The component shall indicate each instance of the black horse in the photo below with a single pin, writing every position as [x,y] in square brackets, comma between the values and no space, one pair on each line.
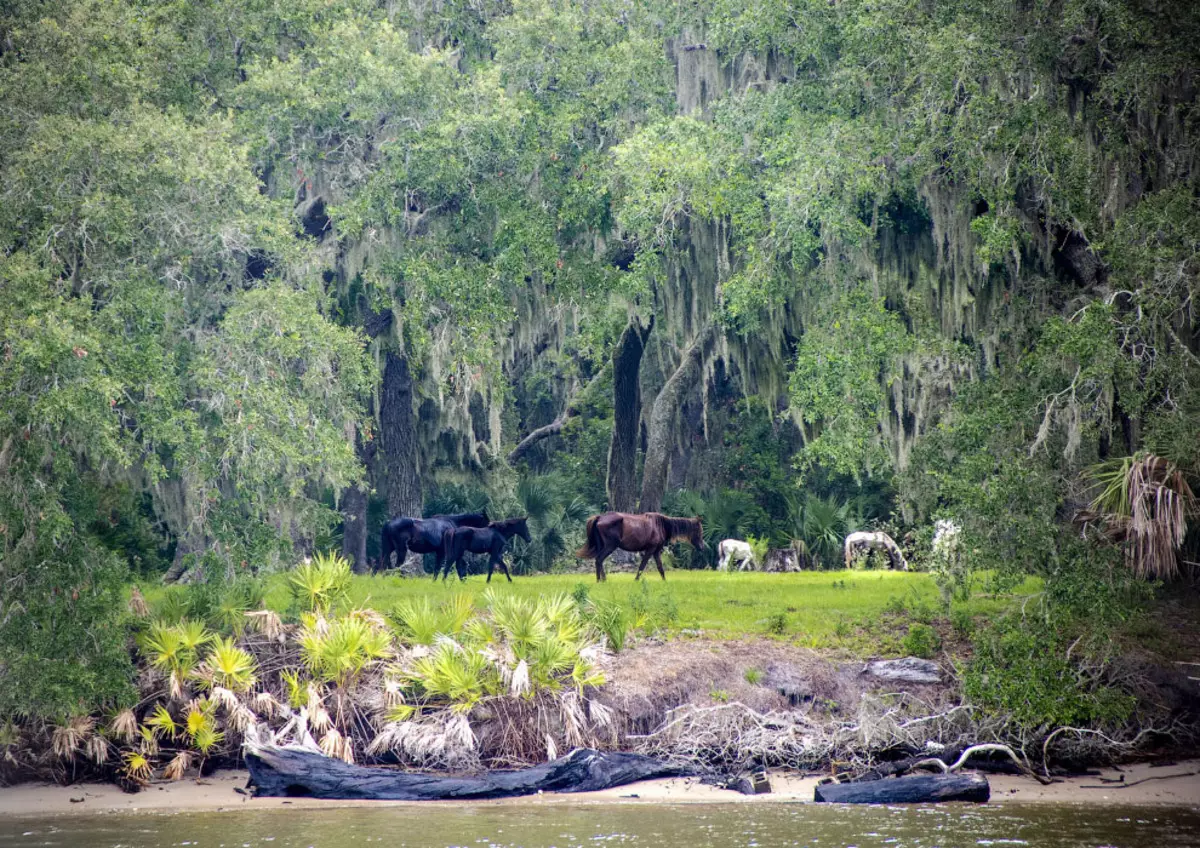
[423,535]
[486,540]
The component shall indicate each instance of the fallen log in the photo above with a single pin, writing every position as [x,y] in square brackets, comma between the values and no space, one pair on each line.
[916,789]
[292,771]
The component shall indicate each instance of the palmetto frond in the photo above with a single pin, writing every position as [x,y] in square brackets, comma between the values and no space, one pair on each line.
[1145,500]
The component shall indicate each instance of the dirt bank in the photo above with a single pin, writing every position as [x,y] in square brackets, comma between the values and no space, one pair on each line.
[1177,784]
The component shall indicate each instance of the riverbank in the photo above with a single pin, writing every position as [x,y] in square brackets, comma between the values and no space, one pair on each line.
[1177,784]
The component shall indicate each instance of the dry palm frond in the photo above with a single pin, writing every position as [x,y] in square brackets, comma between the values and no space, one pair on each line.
[318,716]
[519,683]
[178,766]
[601,716]
[266,704]
[124,726]
[1146,500]
[459,730]
[393,692]
[137,603]
[224,697]
[371,617]
[571,710]
[551,748]
[267,623]
[175,685]
[334,744]
[68,738]
[239,718]
[442,740]
[97,749]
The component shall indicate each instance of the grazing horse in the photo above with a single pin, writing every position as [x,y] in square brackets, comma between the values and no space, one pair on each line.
[647,534]
[732,549]
[861,540]
[481,540]
[423,535]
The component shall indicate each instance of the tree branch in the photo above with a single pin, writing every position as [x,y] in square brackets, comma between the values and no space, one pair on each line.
[555,426]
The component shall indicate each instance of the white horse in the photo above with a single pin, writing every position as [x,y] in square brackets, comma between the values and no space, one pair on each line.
[863,541]
[732,549]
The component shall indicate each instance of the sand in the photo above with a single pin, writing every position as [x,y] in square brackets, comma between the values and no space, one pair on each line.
[218,793]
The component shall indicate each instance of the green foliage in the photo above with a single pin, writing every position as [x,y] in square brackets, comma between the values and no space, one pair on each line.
[320,583]
[229,667]
[725,514]
[921,640]
[835,385]
[421,620]
[522,647]
[777,623]
[753,676]
[338,650]
[556,520]
[823,524]
[1024,671]
[63,632]
[612,621]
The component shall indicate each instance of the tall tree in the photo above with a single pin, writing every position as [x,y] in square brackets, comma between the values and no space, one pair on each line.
[627,415]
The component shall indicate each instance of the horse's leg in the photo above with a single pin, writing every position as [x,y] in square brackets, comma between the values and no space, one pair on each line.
[658,562]
[605,551]
[504,565]
[645,559]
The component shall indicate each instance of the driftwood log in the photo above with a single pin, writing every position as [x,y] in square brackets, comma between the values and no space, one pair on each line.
[292,771]
[916,789]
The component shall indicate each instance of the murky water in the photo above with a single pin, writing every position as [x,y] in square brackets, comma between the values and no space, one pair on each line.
[597,826]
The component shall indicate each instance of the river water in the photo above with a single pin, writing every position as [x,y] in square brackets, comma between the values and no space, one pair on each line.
[599,826]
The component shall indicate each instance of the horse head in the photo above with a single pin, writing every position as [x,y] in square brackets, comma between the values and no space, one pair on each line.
[523,529]
[696,535]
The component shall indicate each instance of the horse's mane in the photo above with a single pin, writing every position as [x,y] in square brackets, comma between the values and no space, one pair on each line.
[508,523]
[675,528]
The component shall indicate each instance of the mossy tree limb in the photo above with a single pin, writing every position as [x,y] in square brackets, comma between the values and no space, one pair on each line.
[662,419]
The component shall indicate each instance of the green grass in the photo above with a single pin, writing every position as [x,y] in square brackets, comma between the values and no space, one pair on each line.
[862,611]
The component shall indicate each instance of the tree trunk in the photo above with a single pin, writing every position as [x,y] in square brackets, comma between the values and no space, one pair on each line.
[354,511]
[354,528]
[662,421]
[917,789]
[627,413]
[397,430]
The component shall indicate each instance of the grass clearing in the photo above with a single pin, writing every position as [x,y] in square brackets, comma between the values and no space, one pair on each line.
[863,612]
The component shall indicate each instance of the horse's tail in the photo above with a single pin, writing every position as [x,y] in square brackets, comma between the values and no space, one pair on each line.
[592,546]
[448,553]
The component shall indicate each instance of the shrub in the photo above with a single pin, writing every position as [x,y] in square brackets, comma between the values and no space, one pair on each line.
[612,621]
[753,676]
[338,651]
[64,635]
[921,641]
[1021,669]
[318,584]
[777,623]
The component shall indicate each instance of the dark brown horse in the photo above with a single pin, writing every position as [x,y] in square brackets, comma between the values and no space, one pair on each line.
[646,534]
[481,540]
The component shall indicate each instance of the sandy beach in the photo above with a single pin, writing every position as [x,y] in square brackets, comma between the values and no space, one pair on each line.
[1177,784]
